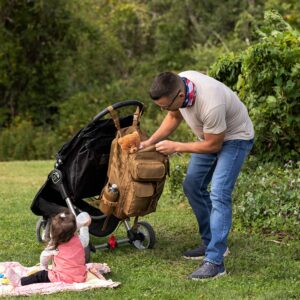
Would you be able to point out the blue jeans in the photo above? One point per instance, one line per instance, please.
(213, 209)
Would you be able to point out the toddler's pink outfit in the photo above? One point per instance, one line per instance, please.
(69, 264)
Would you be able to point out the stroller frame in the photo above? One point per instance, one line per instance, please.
(141, 235)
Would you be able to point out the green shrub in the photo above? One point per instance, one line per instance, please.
(227, 69)
(76, 112)
(267, 199)
(266, 76)
(45, 144)
(23, 141)
(16, 141)
(174, 190)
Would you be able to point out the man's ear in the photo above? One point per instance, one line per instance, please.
(181, 95)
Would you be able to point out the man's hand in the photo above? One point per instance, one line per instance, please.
(166, 147)
(145, 144)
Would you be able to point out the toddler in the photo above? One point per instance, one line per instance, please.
(66, 249)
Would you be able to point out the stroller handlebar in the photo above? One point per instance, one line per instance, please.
(117, 106)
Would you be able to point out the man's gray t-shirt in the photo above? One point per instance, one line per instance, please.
(216, 109)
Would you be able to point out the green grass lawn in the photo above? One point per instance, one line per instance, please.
(258, 267)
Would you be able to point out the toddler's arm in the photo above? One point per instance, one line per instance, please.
(83, 221)
(45, 256)
(84, 236)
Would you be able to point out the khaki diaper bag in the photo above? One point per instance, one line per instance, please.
(139, 176)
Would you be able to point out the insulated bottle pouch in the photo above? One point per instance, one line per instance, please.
(108, 200)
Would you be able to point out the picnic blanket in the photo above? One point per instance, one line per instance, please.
(95, 279)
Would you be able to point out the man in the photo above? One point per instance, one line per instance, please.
(225, 132)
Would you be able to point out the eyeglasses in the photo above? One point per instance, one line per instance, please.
(166, 107)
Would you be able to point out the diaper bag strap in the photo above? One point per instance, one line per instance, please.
(115, 117)
(136, 117)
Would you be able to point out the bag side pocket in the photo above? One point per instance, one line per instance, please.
(147, 170)
(138, 199)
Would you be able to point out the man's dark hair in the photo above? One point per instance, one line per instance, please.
(164, 85)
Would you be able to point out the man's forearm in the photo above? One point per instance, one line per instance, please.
(211, 144)
(196, 147)
(167, 127)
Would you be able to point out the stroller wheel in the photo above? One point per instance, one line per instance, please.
(42, 230)
(145, 236)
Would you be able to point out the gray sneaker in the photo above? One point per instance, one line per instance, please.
(199, 252)
(208, 270)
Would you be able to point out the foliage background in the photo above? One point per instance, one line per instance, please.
(62, 61)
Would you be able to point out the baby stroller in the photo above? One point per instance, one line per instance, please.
(80, 174)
